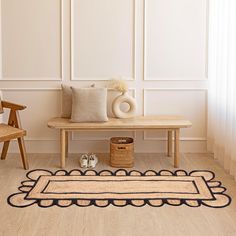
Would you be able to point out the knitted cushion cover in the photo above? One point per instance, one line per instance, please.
(89, 105)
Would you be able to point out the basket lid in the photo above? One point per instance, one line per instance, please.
(122, 140)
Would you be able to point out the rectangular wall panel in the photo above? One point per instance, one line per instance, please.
(94, 136)
(190, 104)
(175, 39)
(42, 105)
(31, 39)
(102, 39)
(100, 135)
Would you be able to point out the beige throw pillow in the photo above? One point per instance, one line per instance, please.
(89, 105)
(66, 101)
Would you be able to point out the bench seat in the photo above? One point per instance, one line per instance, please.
(140, 122)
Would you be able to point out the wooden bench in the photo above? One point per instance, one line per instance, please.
(172, 124)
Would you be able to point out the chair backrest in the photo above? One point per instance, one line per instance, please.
(1, 109)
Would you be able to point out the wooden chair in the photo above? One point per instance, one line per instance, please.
(13, 130)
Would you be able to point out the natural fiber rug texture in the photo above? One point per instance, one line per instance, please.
(120, 188)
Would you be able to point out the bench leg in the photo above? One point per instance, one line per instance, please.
(21, 144)
(63, 147)
(5, 149)
(66, 144)
(176, 157)
(169, 153)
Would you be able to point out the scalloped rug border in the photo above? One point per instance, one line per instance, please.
(219, 200)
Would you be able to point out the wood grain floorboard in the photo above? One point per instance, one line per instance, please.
(113, 221)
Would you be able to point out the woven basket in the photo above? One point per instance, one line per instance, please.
(122, 152)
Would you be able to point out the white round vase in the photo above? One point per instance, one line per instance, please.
(116, 106)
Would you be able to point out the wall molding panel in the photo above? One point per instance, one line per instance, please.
(61, 53)
(133, 54)
(181, 139)
(36, 107)
(202, 119)
(105, 135)
(204, 76)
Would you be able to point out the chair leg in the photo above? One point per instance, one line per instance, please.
(21, 144)
(5, 149)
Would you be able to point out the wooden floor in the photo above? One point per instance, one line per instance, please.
(112, 221)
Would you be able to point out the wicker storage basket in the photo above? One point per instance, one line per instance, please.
(122, 152)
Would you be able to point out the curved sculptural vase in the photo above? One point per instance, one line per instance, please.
(116, 106)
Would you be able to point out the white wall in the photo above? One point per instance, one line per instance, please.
(160, 46)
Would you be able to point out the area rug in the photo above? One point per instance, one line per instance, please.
(120, 188)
